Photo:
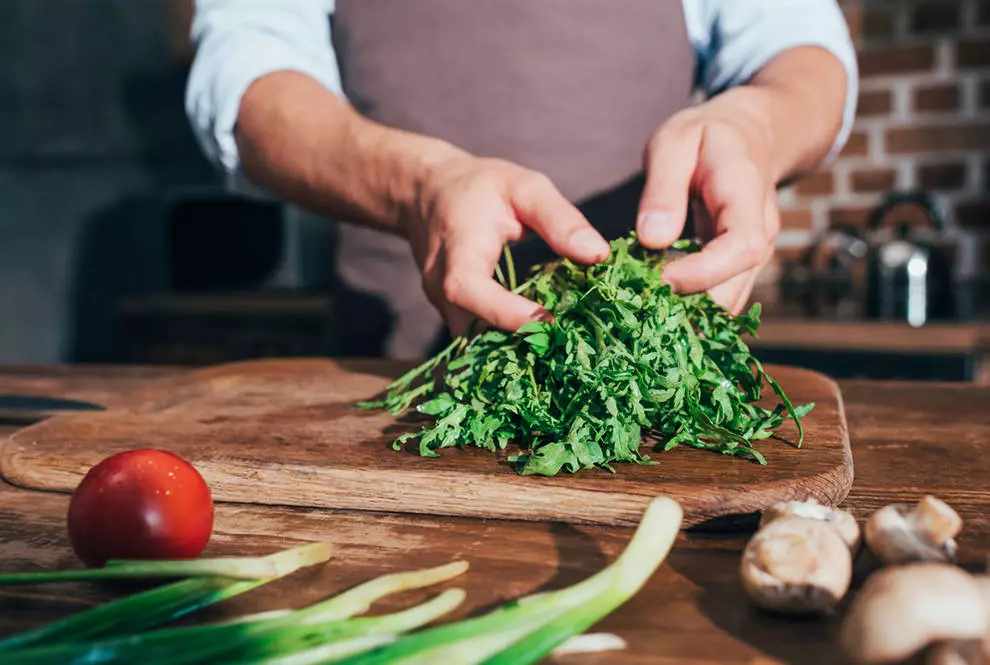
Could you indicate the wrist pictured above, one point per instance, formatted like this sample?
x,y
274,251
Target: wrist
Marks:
x,y
751,109
402,168
805,89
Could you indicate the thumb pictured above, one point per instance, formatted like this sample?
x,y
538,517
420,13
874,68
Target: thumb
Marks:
x,y
670,161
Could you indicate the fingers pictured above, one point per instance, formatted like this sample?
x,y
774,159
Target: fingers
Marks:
x,y
734,294
478,293
735,198
542,208
671,159
467,290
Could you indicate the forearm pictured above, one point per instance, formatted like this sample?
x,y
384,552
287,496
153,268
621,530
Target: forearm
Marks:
x,y
798,99
303,143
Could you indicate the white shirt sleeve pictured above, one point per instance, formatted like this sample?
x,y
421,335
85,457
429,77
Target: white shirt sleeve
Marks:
x,y
238,42
734,39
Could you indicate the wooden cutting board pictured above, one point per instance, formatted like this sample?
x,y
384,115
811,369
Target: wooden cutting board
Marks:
x,y
284,432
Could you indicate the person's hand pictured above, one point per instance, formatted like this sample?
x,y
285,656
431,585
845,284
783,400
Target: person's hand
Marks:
x,y
467,210
719,155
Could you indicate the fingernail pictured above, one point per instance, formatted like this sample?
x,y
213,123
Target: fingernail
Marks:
x,y
588,243
653,226
541,315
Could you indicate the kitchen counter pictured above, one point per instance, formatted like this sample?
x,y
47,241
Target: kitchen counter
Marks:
x,y
908,439
878,349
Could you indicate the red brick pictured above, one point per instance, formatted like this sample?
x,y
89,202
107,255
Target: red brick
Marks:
x,y
937,138
848,216
859,216
974,214
816,184
942,176
857,146
934,16
877,23
873,180
973,52
896,59
875,102
945,97
796,219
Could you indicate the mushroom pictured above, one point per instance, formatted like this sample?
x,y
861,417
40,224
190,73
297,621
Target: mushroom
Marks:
x,y
900,533
842,521
966,652
796,565
959,652
902,609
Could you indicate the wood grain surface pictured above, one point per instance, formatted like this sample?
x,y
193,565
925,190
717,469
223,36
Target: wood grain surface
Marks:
x,y
909,439
284,432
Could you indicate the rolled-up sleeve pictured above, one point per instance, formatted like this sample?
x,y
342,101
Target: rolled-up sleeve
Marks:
x,y
734,39
238,42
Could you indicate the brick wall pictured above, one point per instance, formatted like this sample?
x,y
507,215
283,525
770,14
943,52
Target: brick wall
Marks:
x,y
923,119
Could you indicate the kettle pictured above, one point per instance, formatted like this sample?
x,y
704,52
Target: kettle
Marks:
x,y
909,270
824,280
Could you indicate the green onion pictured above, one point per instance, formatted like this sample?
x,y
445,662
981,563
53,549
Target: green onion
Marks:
x,y
360,598
161,604
519,633
329,653
242,569
272,643
192,643
501,636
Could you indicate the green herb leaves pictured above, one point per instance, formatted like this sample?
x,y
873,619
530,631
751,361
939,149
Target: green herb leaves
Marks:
x,y
624,357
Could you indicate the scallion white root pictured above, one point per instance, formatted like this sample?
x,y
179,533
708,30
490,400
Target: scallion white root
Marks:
x,y
590,643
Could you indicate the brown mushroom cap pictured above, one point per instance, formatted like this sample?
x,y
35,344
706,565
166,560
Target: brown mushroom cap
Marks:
x,y
840,520
902,609
796,565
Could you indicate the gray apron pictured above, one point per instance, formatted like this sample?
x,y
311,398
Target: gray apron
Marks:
x,y
571,88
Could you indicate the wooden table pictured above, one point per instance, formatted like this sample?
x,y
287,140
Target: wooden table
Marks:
x,y
908,440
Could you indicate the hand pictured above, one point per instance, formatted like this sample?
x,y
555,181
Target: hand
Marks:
x,y
718,153
467,210
458,211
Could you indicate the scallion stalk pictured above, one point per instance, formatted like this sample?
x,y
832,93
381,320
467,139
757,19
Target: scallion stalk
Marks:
x,y
238,569
161,604
484,639
330,653
520,633
273,643
192,643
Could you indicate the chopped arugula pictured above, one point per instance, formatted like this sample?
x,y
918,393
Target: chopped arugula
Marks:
x,y
624,357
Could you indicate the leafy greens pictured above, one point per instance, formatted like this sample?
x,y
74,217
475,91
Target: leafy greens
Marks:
x,y
624,356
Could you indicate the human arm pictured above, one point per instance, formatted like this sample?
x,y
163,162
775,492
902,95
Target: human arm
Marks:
x,y
783,77
284,126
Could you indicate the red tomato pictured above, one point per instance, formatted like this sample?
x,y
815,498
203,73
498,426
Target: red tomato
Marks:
x,y
140,504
